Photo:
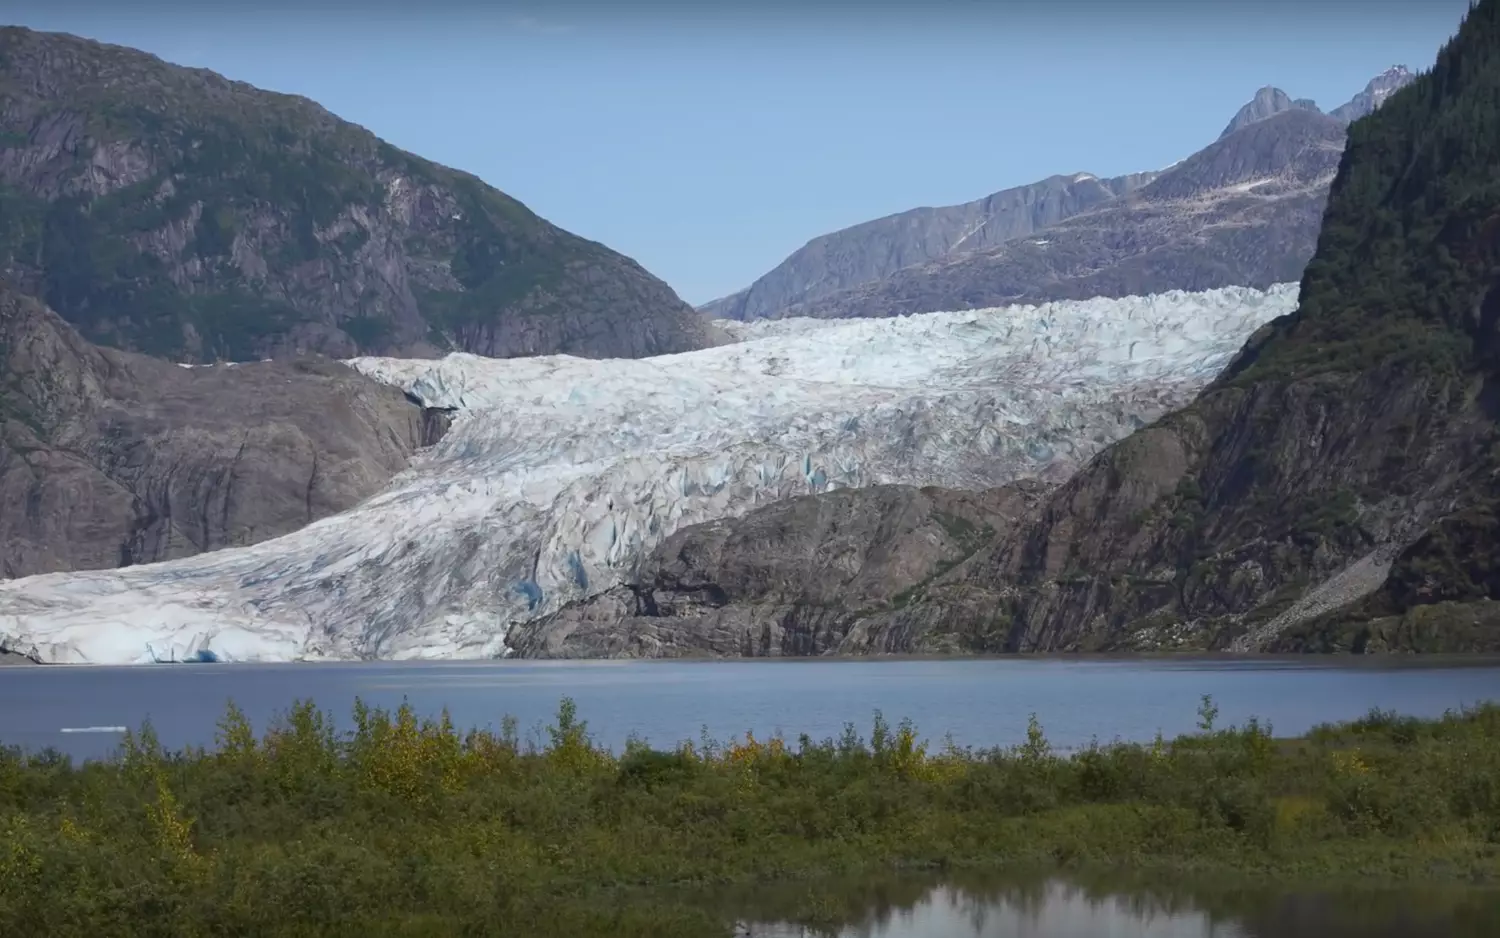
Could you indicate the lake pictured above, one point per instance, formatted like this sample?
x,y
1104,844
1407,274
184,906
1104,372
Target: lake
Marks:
x,y
1008,906
981,702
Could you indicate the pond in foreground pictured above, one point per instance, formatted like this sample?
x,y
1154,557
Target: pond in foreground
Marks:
x,y
1017,907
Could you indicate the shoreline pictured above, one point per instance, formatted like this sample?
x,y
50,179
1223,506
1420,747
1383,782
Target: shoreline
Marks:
x,y
1322,660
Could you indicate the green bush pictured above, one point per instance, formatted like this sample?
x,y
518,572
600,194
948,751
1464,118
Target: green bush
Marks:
x,y
405,826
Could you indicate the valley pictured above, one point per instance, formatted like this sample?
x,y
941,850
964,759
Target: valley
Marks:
x,y
1141,434
558,476
1108,554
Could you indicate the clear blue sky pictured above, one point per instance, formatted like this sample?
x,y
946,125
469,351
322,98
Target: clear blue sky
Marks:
x,y
710,144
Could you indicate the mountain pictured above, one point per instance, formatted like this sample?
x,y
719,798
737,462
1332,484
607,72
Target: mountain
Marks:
x,y
1270,101
174,212
1382,86
1267,102
558,475
111,458
984,253
1334,489
1243,211
877,249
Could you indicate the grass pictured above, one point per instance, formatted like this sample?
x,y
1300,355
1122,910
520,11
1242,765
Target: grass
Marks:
x,y
408,827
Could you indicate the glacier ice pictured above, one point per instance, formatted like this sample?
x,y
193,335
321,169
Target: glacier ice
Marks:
x,y
558,474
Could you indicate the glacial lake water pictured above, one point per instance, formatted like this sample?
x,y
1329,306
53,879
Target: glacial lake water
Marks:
x,y
998,906
981,702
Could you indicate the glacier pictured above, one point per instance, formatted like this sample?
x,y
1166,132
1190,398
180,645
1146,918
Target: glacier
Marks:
x,y
559,474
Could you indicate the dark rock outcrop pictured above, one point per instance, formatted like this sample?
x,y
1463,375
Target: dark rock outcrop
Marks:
x,y
435,423
1336,489
110,458
794,578
172,211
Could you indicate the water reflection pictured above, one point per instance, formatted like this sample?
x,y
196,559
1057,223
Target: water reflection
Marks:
x,y
1058,908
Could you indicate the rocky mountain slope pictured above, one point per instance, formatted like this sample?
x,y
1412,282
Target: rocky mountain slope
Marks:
x,y
1268,102
171,211
877,249
1382,86
1243,211
559,475
983,253
1335,489
110,458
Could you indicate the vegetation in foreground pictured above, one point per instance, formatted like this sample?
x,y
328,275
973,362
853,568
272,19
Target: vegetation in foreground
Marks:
x,y
406,827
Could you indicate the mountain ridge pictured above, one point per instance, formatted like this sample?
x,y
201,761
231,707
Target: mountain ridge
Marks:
x,y
842,272
992,219
173,211
1268,101
1243,211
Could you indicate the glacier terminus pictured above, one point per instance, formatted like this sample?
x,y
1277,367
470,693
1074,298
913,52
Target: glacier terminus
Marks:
x,y
558,474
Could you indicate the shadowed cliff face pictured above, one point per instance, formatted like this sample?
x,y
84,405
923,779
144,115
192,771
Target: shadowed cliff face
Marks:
x,y
109,458
171,211
1335,489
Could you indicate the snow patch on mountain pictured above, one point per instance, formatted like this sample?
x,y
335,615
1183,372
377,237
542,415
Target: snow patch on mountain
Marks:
x,y
559,474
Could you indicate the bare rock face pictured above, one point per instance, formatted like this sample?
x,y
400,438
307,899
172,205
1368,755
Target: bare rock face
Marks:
x,y
796,577
171,211
109,458
1267,102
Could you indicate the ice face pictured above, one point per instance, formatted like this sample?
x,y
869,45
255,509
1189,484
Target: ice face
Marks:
x,y
559,474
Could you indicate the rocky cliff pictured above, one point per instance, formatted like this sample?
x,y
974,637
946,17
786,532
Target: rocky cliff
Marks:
x,y
109,458
1335,489
788,579
1112,236
171,211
